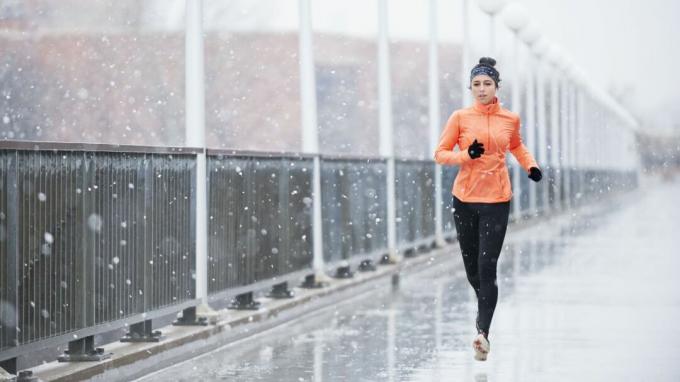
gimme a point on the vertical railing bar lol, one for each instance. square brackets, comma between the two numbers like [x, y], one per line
[38, 235]
[149, 191]
[170, 208]
[13, 235]
[114, 229]
[129, 198]
[186, 207]
[37, 263]
[212, 251]
[55, 179]
[66, 247]
[57, 237]
[176, 269]
[114, 223]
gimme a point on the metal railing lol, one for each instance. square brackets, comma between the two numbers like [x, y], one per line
[259, 218]
[354, 209]
[94, 237]
[415, 202]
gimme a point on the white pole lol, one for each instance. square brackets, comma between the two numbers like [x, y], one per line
[575, 138]
[310, 136]
[554, 136]
[195, 136]
[564, 152]
[542, 131]
[581, 160]
[386, 144]
[517, 107]
[435, 122]
[531, 124]
[492, 39]
[465, 57]
[569, 141]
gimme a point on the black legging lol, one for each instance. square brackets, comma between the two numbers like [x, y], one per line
[480, 228]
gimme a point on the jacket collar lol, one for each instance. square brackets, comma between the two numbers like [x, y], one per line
[491, 108]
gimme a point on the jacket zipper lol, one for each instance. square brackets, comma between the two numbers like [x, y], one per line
[488, 129]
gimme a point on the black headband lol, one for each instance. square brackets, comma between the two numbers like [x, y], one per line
[487, 70]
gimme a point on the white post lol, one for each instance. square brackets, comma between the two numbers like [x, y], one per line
[554, 136]
[386, 143]
[492, 31]
[542, 130]
[517, 107]
[574, 138]
[569, 142]
[465, 57]
[195, 136]
[435, 122]
[310, 136]
[564, 151]
[531, 124]
[580, 120]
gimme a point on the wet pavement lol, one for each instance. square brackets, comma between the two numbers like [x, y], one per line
[592, 297]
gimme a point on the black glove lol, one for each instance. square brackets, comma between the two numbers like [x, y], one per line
[535, 174]
[475, 150]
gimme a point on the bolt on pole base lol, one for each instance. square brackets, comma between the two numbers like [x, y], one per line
[280, 291]
[312, 282]
[244, 301]
[344, 273]
[142, 332]
[190, 318]
[367, 266]
[83, 350]
[410, 252]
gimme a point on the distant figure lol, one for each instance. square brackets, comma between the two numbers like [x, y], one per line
[482, 190]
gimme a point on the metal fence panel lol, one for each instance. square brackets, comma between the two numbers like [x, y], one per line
[91, 238]
[48, 245]
[414, 200]
[171, 262]
[7, 276]
[259, 219]
[354, 211]
[449, 174]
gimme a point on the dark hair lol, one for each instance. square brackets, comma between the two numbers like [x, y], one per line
[486, 66]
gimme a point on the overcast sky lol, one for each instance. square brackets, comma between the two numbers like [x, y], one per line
[629, 45]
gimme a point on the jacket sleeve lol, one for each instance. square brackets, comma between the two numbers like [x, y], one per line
[444, 154]
[517, 148]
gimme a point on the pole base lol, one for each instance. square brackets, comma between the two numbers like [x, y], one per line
[190, 318]
[344, 273]
[244, 301]
[367, 266]
[280, 291]
[312, 282]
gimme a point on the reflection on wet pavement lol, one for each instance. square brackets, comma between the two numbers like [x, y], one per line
[593, 297]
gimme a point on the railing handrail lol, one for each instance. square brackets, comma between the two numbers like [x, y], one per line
[96, 147]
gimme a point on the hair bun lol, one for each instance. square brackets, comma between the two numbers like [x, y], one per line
[487, 61]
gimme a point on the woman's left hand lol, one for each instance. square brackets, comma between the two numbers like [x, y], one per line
[535, 174]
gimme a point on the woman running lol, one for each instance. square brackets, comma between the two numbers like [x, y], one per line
[482, 191]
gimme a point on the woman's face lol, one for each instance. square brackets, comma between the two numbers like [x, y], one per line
[483, 88]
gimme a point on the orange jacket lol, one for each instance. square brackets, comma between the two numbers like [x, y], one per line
[485, 179]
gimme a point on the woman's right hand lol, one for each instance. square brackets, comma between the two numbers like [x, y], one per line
[475, 150]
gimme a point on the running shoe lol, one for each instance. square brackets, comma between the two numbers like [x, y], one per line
[481, 346]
